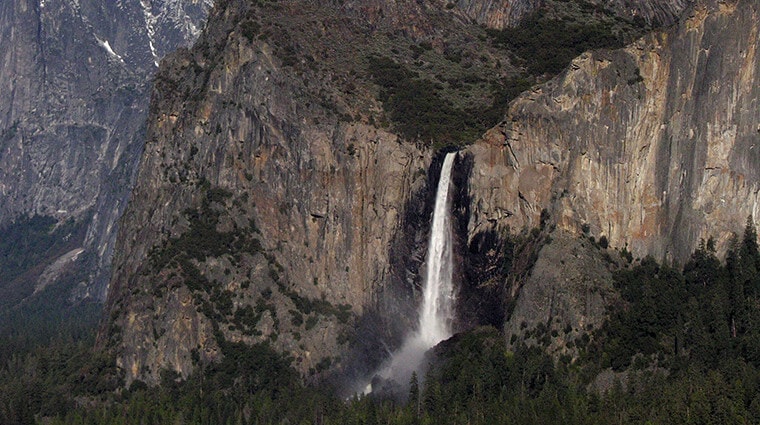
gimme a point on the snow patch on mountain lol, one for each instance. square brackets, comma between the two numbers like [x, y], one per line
[107, 46]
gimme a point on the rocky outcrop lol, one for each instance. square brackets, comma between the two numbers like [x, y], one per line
[499, 13]
[566, 294]
[75, 88]
[652, 146]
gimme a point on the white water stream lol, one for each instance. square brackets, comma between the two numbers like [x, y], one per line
[437, 310]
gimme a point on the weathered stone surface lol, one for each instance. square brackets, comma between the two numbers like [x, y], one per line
[566, 294]
[498, 13]
[652, 146]
[656, 12]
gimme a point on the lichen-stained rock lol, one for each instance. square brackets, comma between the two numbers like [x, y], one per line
[654, 146]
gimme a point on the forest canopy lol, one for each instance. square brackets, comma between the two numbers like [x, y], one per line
[683, 345]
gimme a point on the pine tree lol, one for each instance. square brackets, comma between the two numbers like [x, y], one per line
[414, 394]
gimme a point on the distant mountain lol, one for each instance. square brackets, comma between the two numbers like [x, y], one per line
[75, 79]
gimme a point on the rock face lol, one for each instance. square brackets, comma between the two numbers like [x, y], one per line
[566, 294]
[75, 87]
[273, 206]
[236, 134]
[498, 13]
[652, 146]
[658, 12]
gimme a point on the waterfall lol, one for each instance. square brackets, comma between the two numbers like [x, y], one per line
[437, 310]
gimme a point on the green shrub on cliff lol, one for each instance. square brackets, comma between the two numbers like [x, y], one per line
[547, 40]
[417, 109]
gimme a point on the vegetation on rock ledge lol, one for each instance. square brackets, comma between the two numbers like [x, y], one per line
[450, 98]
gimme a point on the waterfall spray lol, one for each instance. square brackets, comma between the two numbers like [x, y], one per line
[436, 312]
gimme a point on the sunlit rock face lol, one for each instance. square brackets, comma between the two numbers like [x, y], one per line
[74, 91]
[654, 146]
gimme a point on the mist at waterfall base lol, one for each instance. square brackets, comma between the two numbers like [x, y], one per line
[436, 312]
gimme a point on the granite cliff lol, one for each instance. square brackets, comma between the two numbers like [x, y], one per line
[281, 201]
[652, 147]
[265, 136]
